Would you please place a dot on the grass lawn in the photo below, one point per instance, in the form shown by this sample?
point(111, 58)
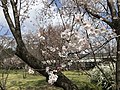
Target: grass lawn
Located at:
point(16, 81)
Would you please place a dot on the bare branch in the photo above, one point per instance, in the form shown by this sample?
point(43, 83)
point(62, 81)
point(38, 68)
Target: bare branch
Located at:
point(98, 16)
point(51, 3)
point(110, 7)
point(96, 50)
point(7, 16)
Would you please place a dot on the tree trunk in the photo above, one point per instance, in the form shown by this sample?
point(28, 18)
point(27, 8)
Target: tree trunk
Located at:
point(36, 64)
point(118, 56)
point(118, 65)
point(116, 26)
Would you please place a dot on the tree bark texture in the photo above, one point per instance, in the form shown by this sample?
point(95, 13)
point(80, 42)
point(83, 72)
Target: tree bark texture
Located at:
point(117, 25)
point(118, 65)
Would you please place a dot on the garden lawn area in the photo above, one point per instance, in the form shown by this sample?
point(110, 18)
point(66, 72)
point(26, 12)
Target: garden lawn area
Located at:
point(16, 81)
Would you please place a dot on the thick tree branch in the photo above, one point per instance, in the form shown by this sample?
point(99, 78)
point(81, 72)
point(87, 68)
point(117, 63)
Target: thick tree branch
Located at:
point(118, 5)
point(98, 16)
point(16, 15)
point(110, 7)
point(17, 33)
point(7, 16)
point(15, 29)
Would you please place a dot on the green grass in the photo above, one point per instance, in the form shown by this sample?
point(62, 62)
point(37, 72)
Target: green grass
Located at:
point(81, 80)
point(16, 81)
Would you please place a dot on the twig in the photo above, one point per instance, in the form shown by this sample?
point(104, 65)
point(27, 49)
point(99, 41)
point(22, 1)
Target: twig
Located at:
point(96, 50)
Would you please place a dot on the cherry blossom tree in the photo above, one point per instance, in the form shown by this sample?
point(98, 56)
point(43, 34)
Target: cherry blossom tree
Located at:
point(21, 50)
point(83, 21)
point(106, 12)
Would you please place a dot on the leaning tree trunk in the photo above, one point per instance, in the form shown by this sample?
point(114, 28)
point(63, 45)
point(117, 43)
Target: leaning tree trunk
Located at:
point(62, 80)
point(23, 53)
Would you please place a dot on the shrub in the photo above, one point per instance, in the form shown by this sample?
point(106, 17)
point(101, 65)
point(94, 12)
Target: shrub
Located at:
point(98, 78)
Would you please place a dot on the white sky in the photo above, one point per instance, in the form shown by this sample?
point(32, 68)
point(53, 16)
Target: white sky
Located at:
point(27, 24)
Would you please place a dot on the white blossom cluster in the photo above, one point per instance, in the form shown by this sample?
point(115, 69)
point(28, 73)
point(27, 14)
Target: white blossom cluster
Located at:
point(75, 42)
point(31, 71)
point(52, 49)
point(66, 34)
point(52, 77)
point(42, 38)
